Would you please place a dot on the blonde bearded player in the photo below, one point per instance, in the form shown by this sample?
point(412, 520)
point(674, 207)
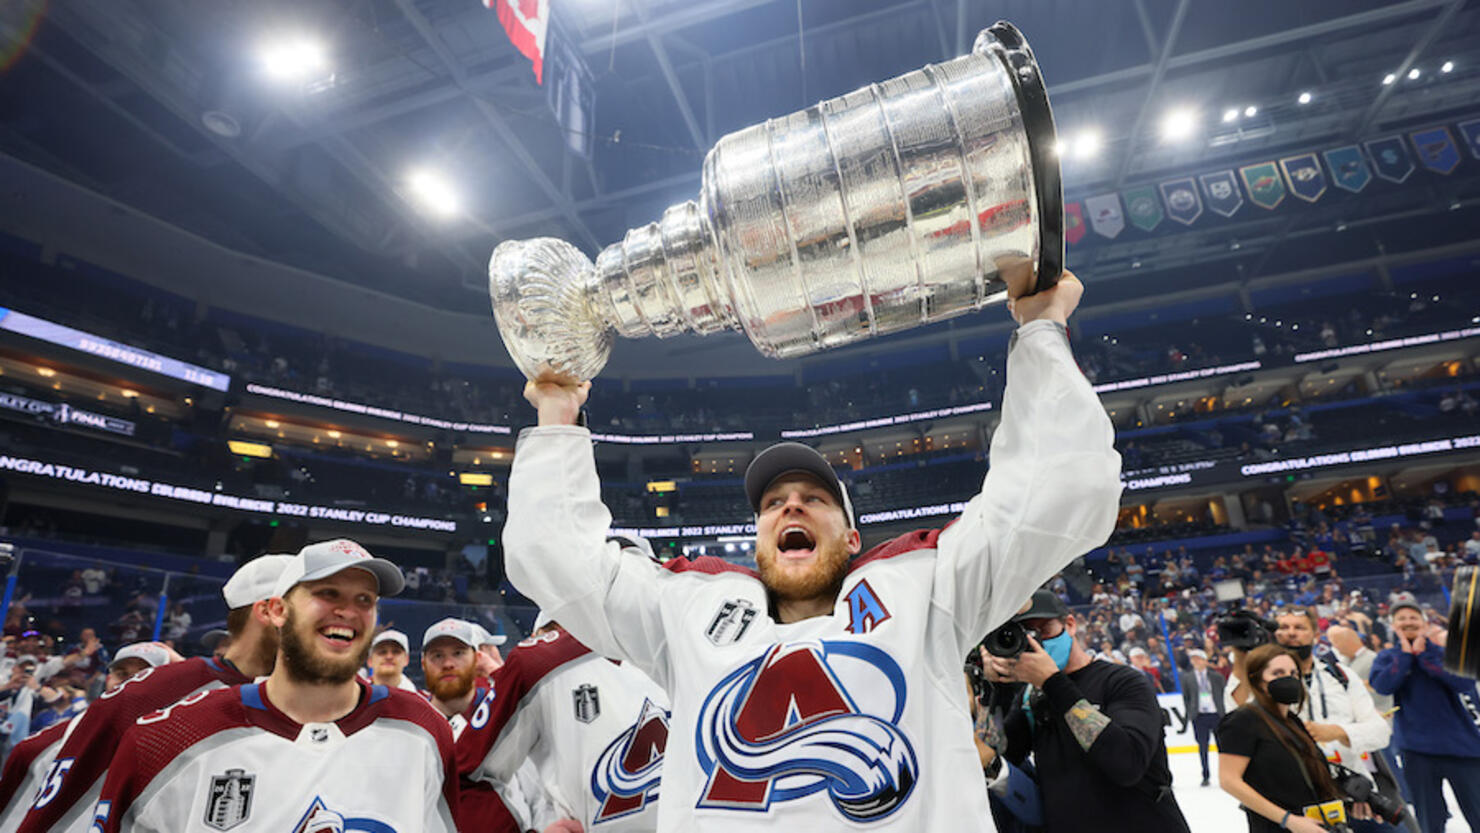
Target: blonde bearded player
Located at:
point(825, 690)
point(313, 747)
point(28, 763)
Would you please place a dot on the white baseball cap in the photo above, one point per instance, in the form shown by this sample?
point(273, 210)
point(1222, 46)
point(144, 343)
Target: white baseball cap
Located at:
point(326, 558)
point(1197, 652)
point(460, 629)
point(151, 652)
point(254, 581)
point(392, 636)
point(487, 638)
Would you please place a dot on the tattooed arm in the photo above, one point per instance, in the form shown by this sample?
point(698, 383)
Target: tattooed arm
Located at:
point(1120, 737)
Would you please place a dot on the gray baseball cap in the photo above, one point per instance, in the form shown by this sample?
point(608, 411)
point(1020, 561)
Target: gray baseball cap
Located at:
point(326, 558)
point(784, 458)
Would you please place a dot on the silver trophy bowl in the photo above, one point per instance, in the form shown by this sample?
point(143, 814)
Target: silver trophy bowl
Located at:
point(907, 202)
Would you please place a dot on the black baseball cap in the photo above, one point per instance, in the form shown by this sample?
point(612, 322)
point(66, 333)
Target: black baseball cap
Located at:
point(1045, 605)
point(783, 458)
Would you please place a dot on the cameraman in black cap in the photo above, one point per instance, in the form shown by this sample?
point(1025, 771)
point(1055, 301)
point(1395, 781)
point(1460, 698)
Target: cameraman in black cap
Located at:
point(1094, 729)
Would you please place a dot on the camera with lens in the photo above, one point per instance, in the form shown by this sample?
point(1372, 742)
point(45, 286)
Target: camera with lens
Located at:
point(1360, 789)
point(1244, 629)
point(1008, 641)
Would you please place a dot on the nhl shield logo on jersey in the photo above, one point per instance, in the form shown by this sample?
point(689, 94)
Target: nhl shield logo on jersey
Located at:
point(230, 801)
point(804, 718)
point(587, 703)
point(730, 622)
point(627, 775)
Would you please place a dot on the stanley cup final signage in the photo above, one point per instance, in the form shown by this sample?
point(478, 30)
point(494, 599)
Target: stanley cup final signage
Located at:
point(917, 199)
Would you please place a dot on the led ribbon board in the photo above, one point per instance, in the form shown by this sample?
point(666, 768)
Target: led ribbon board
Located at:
point(29, 325)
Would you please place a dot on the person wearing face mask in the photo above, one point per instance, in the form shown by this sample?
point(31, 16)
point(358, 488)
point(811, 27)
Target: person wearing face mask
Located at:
point(1338, 711)
point(1094, 730)
point(1266, 758)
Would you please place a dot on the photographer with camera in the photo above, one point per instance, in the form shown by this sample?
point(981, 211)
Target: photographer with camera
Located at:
point(1266, 758)
point(1094, 728)
point(1436, 727)
point(1338, 711)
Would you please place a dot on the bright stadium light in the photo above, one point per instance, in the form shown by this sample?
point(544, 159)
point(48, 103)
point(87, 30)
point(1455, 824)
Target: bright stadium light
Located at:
point(1178, 124)
point(433, 193)
point(1413, 74)
point(1388, 79)
point(1230, 115)
point(1447, 67)
point(298, 58)
point(1087, 144)
point(1251, 111)
point(1304, 98)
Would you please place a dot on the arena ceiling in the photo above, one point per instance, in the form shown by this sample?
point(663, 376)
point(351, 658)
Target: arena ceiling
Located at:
point(162, 105)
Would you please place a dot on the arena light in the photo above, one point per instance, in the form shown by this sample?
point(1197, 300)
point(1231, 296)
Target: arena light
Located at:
point(46, 371)
point(295, 58)
point(1230, 115)
point(1388, 79)
point(433, 193)
point(1413, 74)
point(1304, 98)
point(1447, 67)
point(247, 449)
point(474, 478)
point(1251, 111)
point(1179, 124)
point(1087, 144)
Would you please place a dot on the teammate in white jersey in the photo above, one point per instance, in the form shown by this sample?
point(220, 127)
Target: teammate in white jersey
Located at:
point(390, 653)
point(312, 748)
point(825, 690)
point(595, 730)
point(29, 762)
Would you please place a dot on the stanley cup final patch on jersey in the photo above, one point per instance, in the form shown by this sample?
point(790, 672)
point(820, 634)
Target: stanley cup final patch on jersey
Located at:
point(730, 622)
point(587, 702)
point(230, 802)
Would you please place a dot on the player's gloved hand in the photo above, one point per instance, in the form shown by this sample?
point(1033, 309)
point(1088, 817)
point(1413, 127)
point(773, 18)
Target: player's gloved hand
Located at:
point(557, 399)
point(1053, 304)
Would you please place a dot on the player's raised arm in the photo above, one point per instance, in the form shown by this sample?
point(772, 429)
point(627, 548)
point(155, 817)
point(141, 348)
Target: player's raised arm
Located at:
point(556, 538)
point(1052, 490)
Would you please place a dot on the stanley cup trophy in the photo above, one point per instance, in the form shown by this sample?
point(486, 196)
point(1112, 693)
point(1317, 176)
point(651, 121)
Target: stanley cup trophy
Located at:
point(900, 204)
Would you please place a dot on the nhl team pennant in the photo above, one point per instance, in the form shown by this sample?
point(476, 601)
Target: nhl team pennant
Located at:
point(1073, 222)
point(1349, 169)
point(526, 22)
point(1390, 158)
point(1183, 203)
point(1224, 196)
point(1105, 216)
point(1436, 149)
point(1266, 188)
point(1307, 180)
point(1143, 208)
point(1471, 131)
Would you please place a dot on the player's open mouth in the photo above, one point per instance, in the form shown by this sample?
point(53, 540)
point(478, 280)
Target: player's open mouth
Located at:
point(796, 543)
point(337, 635)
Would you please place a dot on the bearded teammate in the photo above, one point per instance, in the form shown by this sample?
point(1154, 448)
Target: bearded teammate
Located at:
point(825, 690)
point(594, 729)
point(65, 802)
point(30, 760)
point(313, 747)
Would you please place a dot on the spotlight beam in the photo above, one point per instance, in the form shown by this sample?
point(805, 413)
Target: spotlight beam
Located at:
point(1156, 75)
point(1441, 23)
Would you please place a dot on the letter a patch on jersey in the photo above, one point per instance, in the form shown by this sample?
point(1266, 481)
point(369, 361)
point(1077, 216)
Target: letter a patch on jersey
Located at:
point(230, 801)
point(730, 622)
point(865, 611)
point(587, 703)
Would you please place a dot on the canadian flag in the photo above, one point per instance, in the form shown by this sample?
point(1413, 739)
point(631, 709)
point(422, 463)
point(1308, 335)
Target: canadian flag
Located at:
point(526, 21)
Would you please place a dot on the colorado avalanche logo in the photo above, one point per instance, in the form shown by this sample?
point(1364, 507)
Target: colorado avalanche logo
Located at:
point(807, 717)
point(627, 774)
point(320, 819)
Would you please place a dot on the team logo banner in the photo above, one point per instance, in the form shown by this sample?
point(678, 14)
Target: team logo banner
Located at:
point(1390, 158)
point(1436, 149)
point(1307, 180)
point(1349, 169)
point(1143, 207)
point(1266, 187)
point(1224, 196)
point(1470, 130)
point(1105, 216)
point(1183, 203)
point(1073, 222)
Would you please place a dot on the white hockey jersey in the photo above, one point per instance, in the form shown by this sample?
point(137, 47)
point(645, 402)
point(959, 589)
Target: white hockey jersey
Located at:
point(595, 731)
point(224, 759)
point(26, 770)
point(859, 718)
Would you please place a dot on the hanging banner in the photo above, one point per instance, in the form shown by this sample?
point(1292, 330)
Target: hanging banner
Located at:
point(1105, 216)
point(1073, 222)
point(1307, 181)
point(1143, 208)
point(1183, 203)
point(1266, 188)
point(1349, 169)
point(1470, 130)
point(1390, 158)
point(1225, 198)
point(1436, 149)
